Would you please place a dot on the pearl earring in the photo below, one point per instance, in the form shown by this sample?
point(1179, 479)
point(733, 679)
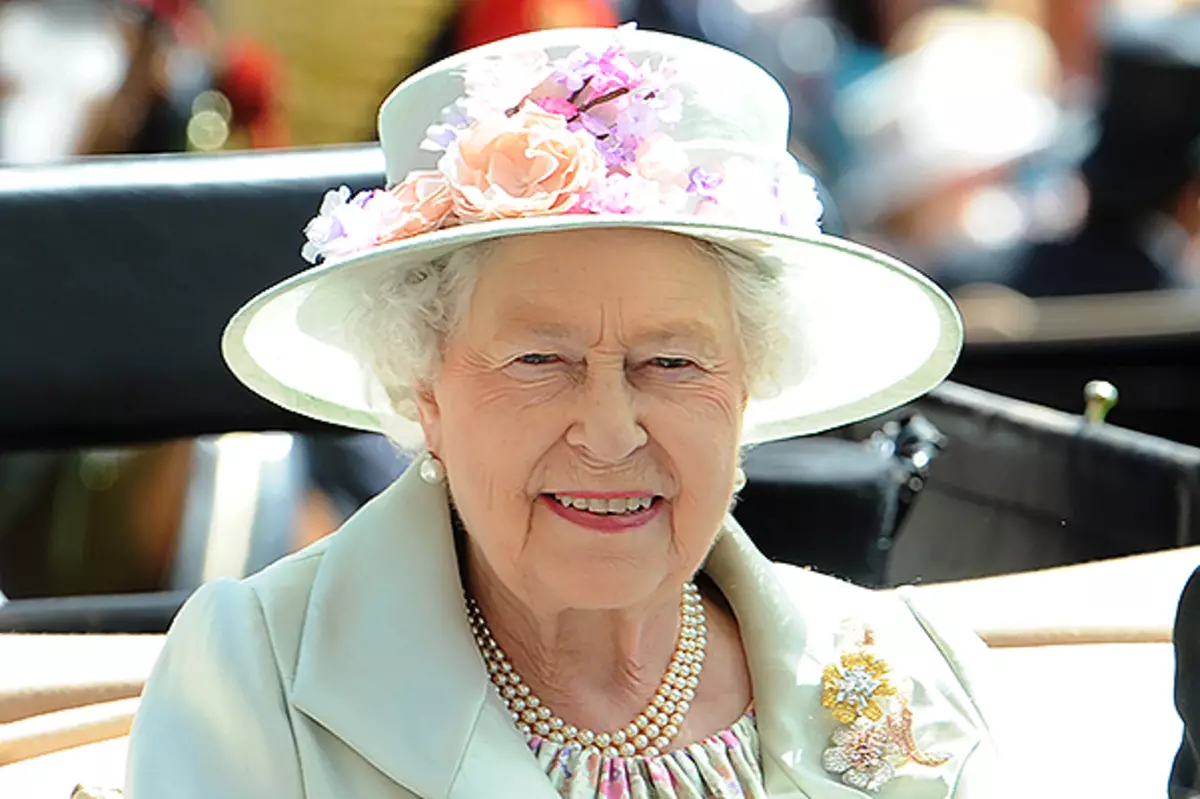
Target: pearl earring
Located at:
point(739, 479)
point(432, 470)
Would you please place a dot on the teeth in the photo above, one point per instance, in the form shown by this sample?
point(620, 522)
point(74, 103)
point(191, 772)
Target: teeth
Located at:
point(605, 506)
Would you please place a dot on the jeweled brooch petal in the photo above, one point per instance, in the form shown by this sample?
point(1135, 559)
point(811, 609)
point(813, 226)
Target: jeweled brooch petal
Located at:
point(875, 737)
point(855, 687)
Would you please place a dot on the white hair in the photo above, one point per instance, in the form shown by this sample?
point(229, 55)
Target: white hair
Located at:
point(411, 310)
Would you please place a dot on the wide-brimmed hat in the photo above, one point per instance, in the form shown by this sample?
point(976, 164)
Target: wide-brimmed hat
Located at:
point(583, 129)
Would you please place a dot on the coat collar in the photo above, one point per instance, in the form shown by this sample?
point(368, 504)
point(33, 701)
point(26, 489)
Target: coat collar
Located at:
point(387, 662)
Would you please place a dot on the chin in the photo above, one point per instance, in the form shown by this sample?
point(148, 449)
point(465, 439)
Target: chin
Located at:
point(596, 585)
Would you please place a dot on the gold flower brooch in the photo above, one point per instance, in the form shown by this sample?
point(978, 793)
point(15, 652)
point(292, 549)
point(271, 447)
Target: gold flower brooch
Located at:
point(875, 736)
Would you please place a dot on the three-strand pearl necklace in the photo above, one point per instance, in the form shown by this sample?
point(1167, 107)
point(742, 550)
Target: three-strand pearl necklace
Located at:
point(650, 733)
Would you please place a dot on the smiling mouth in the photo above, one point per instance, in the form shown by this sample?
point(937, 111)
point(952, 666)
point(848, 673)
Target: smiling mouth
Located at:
point(606, 506)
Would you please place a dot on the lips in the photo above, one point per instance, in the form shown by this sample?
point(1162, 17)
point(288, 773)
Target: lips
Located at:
point(611, 514)
point(605, 505)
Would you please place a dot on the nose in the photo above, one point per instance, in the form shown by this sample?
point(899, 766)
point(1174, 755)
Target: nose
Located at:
point(607, 424)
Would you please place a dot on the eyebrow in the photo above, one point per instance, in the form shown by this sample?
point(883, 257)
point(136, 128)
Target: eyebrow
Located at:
point(684, 330)
point(689, 331)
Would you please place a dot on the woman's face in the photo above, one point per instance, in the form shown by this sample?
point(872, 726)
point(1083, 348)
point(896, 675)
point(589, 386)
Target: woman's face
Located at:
point(599, 369)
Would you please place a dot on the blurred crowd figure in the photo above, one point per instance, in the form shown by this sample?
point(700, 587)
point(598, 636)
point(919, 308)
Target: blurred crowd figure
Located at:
point(939, 132)
point(1047, 147)
point(112, 77)
point(983, 160)
point(1142, 225)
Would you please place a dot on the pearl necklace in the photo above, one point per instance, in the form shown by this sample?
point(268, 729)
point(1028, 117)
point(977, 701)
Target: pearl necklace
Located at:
point(650, 733)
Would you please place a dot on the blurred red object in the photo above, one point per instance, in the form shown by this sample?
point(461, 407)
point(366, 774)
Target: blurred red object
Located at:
point(484, 21)
point(250, 78)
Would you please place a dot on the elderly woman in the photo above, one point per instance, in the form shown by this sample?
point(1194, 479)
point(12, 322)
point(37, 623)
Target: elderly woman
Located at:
point(595, 277)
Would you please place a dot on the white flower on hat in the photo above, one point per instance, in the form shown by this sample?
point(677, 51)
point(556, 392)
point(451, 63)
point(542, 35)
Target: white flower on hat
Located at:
point(747, 192)
point(346, 225)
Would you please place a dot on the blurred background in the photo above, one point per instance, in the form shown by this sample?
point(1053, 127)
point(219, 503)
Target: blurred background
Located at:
point(967, 137)
point(1040, 159)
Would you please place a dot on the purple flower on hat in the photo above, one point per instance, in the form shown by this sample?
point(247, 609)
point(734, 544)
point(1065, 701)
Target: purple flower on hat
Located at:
point(346, 225)
point(601, 73)
point(618, 151)
point(703, 183)
point(620, 194)
point(441, 135)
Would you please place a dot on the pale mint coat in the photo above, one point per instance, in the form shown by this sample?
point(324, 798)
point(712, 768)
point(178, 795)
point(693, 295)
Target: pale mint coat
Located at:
point(347, 671)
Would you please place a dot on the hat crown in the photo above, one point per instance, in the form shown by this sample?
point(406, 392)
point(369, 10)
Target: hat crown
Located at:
point(728, 101)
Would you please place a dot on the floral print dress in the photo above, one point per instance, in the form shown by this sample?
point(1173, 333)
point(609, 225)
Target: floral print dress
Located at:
point(723, 766)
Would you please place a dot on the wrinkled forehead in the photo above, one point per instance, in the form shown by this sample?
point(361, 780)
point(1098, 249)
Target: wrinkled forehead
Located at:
point(639, 283)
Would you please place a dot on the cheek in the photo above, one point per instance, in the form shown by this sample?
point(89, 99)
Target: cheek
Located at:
point(699, 430)
point(714, 407)
point(496, 422)
point(495, 435)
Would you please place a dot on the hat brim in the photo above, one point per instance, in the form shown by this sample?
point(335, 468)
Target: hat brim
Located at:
point(870, 333)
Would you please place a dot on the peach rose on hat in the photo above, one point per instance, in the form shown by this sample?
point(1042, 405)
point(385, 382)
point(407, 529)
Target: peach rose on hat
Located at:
point(527, 164)
point(424, 203)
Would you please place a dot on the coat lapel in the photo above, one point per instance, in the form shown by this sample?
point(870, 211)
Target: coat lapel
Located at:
point(785, 669)
point(387, 662)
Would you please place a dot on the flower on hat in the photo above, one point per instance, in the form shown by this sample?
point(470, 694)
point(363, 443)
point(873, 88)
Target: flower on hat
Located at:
point(426, 202)
point(345, 225)
point(604, 72)
point(527, 164)
point(586, 133)
point(745, 192)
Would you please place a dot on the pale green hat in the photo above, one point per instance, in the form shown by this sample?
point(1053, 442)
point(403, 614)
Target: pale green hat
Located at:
point(695, 144)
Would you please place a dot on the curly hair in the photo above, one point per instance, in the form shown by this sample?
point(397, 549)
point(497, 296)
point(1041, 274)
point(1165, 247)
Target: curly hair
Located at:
point(409, 311)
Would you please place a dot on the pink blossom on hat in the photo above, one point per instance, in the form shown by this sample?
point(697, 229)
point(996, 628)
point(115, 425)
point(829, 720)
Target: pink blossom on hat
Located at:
point(346, 225)
point(558, 105)
point(604, 72)
point(660, 158)
point(528, 164)
point(751, 193)
point(619, 193)
point(425, 203)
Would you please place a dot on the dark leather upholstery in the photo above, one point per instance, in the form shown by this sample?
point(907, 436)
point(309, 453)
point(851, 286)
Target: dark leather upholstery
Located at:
point(1021, 486)
point(109, 613)
point(119, 275)
point(820, 502)
point(1159, 383)
point(834, 504)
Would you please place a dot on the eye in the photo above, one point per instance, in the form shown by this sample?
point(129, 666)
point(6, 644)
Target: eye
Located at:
point(537, 359)
point(670, 364)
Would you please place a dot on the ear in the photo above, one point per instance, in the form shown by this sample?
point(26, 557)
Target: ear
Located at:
point(429, 413)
